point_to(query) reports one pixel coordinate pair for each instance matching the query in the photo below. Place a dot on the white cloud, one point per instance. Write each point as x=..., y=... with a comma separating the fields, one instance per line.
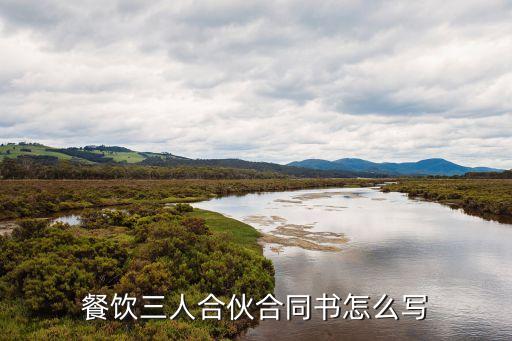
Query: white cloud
x=278, y=81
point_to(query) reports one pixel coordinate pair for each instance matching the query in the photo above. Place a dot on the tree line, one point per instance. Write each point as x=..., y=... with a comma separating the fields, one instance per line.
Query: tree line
x=489, y=175
x=48, y=167
x=51, y=167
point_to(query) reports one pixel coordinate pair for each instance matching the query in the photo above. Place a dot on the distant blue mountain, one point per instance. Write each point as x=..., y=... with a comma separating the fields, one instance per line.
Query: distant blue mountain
x=423, y=167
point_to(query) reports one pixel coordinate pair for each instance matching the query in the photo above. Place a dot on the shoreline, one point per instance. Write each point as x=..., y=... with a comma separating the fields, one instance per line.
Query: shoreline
x=473, y=196
x=40, y=198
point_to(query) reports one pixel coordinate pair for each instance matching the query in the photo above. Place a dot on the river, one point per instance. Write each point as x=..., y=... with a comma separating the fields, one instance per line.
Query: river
x=391, y=245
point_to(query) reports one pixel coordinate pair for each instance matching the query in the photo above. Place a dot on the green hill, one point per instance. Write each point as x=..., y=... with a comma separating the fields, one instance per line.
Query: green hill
x=14, y=150
x=87, y=154
x=109, y=156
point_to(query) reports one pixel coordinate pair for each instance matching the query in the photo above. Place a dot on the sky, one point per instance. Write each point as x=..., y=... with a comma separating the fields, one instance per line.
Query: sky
x=262, y=80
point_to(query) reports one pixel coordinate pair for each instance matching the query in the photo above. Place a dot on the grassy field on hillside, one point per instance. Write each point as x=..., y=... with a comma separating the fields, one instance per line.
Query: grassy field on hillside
x=14, y=151
x=128, y=157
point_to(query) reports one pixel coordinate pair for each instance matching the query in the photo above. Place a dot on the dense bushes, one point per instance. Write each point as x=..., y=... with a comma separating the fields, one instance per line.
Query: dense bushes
x=140, y=250
x=95, y=219
x=51, y=268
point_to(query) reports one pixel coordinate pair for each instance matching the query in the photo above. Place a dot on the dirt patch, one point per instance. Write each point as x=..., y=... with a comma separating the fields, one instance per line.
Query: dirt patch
x=258, y=219
x=277, y=249
x=6, y=227
x=278, y=219
x=302, y=236
x=304, y=244
x=263, y=220
x=296, y=235
x=297, y=226
x=303, y=233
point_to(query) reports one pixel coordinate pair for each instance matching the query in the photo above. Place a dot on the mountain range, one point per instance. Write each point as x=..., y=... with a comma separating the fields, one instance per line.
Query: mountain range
x=435, y=166
x=93, y=154
x=347, y=167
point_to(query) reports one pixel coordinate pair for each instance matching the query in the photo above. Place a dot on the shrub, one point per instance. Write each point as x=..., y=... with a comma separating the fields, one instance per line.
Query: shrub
x=50, y=268
x=182, y=208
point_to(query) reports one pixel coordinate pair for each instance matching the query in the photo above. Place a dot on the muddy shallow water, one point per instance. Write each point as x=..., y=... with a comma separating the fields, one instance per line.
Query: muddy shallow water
x=386, y=244
x=71, y=218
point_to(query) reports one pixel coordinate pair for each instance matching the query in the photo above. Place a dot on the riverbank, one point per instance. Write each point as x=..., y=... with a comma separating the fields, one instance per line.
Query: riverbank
x=490, y=199
x=231, y=229
x=140, y=250
x=41, y=198
x=396, y=246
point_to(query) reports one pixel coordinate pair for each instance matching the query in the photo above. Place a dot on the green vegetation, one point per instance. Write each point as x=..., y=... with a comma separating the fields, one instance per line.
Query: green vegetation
x=117, y=154
x=46, y=269
x=44, y=167
x=35, y=161
x=266, y=167
x=103, y=154
x=129, y=157
x=40, y=198
x=490, y=199
x=142, y=248
x=238, y=232
x=87, y=155
x=490, y=175
x=15, y=150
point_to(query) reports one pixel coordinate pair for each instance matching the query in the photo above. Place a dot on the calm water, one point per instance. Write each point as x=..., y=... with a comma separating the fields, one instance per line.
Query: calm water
x=396, y=246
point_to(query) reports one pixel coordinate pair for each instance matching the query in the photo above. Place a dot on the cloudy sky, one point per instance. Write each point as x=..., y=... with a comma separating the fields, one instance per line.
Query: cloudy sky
x=262, y=80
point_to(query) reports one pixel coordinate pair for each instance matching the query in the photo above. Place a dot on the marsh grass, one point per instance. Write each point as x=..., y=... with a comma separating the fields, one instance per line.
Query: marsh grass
x=37, y=198
x=487, y=198
x=236, y=231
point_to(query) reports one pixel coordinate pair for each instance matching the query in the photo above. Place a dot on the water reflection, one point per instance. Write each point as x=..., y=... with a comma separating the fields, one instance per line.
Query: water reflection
x=71, y=219
x=396, y=246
